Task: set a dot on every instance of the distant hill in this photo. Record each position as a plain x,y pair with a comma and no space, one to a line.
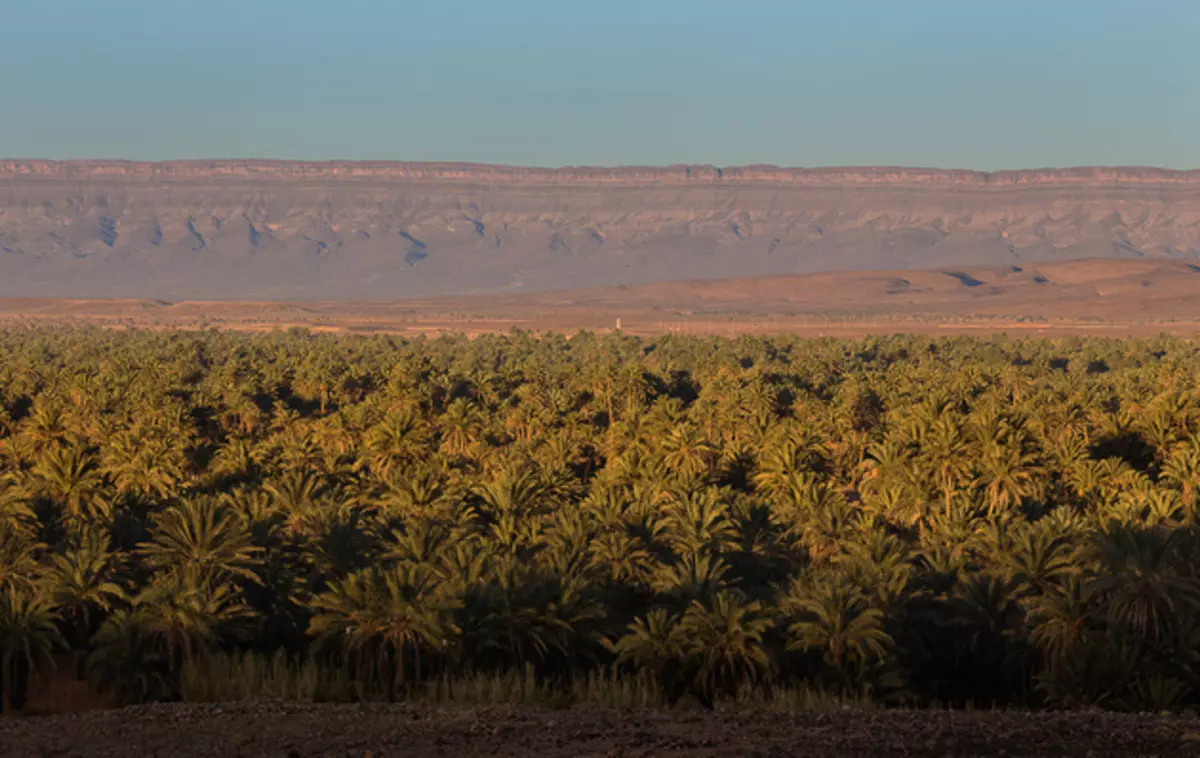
302,231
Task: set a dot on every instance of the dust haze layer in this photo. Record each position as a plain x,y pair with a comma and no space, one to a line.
342,230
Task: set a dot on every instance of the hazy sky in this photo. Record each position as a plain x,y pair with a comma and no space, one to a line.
956,83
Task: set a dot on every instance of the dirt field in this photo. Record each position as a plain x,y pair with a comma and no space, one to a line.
281,729
1102,297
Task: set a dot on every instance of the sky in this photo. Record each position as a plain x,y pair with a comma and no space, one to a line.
983,84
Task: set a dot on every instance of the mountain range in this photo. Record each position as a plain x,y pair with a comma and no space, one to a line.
250,229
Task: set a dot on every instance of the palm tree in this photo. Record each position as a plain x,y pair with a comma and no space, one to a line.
523,617
888,464
1143,585
128,662
782,465
945,455
69,476
298,496
698,521
523,422
415,495
984,612
1060,618
460,426
200,536
944,506
380,619
244,416
880,562
1039,559
187,615
654,643
1182,467
838,621
28,639
1007,475
299,453
14,502
516,491
1147,505
622,557
239,459
725,643
697,576
418,545
687,452
463,565
149,466
48,424
18,556
819,518
85,583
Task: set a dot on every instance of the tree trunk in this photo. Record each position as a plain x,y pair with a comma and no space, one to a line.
79,649
397,674
20,689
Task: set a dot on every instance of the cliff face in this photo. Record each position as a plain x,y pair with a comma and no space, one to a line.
276,229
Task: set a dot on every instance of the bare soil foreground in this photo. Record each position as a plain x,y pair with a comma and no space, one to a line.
1090,296
284,729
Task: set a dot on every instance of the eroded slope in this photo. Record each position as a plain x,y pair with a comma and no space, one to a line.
260,229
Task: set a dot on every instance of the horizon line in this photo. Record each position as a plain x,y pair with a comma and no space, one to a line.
719,168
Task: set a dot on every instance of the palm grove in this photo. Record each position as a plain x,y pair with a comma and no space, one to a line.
896,520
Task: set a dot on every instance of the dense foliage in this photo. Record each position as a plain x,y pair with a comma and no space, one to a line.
912,520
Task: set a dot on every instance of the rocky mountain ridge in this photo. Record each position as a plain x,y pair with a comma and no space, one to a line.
282,170
379,230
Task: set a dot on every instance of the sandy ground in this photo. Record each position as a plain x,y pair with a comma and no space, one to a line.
284,729
1101,297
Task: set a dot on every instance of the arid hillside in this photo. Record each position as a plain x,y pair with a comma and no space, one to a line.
279,230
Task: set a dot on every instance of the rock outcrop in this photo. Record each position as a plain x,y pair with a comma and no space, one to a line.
278,229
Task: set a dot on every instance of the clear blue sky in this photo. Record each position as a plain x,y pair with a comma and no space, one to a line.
955,83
